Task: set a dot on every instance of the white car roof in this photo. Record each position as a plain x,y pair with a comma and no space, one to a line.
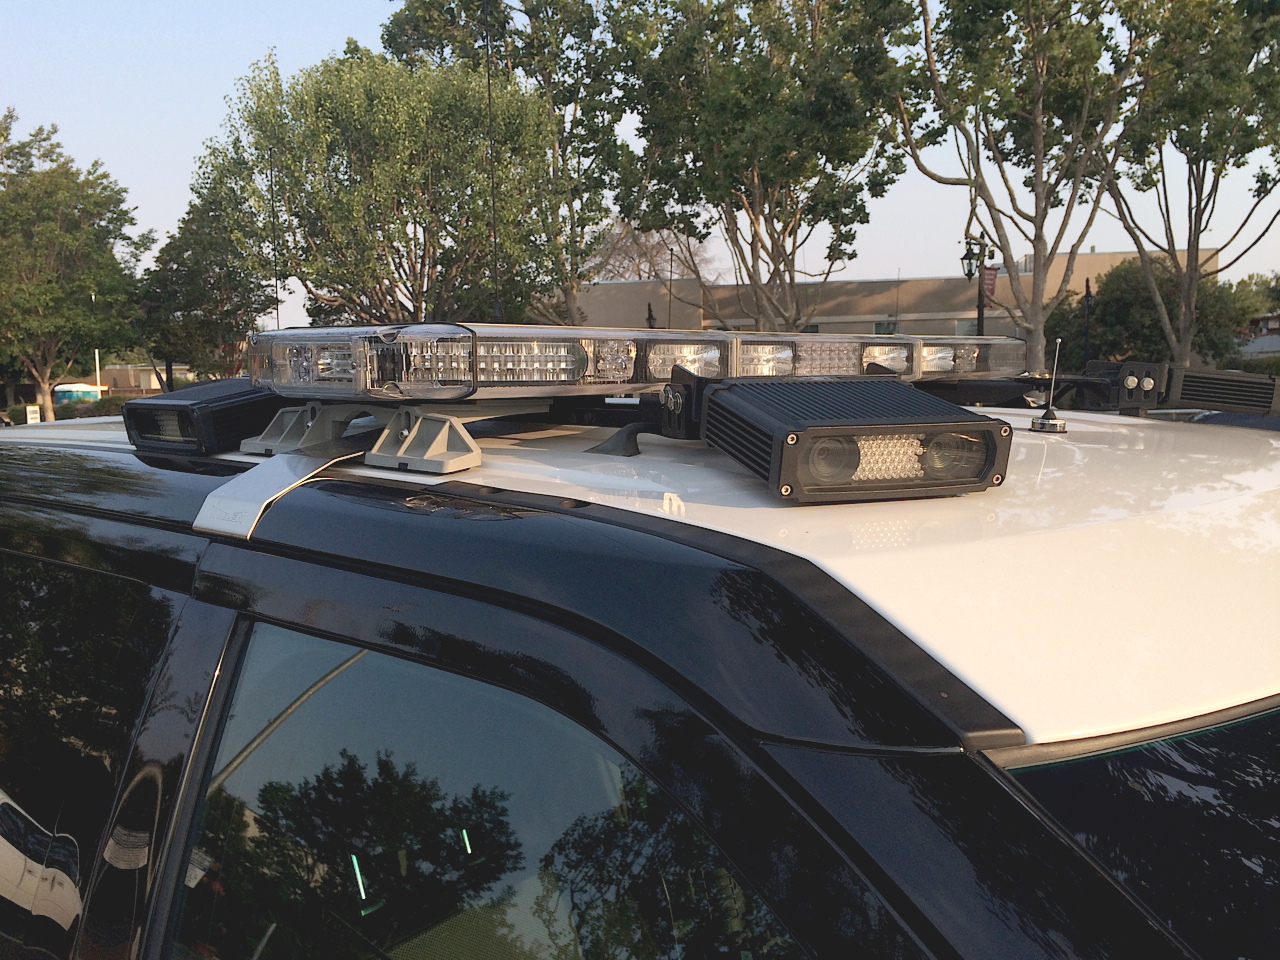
1119,579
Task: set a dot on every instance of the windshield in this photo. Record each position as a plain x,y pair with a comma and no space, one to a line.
1190,825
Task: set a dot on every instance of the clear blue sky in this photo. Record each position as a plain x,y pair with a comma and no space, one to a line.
142,85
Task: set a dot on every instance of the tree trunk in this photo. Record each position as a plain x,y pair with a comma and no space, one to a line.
168,375
572,305
1036,348
44,397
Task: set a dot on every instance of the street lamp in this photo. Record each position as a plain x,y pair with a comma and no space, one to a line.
1088,309
973,262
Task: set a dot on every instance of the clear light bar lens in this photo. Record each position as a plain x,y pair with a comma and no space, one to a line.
972,356
702,359
756,359
824,357
888,358
447,362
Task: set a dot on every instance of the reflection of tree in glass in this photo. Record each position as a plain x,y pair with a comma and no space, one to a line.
79,650
1188,825
642,881
344,863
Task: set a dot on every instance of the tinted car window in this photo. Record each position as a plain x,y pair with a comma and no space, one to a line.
1189,825
65,857
77,650
366,806
14,827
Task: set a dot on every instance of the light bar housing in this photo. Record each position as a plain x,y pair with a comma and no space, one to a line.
450,362
851,439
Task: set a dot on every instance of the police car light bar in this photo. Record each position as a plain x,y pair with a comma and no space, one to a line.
450,362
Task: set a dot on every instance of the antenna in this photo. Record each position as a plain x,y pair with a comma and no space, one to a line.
1050,422
275,229
493,177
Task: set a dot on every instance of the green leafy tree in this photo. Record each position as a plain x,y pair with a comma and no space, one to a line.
438,34
763,121
1123,320
291,863
1033,95
201,299
366,179
642,881
66,259
11,374
556,51
1210,109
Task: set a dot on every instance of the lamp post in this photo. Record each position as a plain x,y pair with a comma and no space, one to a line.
671,269
1088,309
974,263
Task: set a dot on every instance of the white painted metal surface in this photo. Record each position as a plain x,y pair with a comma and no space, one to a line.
1122,577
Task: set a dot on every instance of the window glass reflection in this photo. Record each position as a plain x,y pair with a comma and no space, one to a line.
77,648
363,806
1189,825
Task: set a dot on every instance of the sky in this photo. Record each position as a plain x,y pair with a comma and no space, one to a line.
142,86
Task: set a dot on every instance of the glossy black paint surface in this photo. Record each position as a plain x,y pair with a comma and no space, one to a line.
705,622
123,885
152,555
970,719
979,863
146,489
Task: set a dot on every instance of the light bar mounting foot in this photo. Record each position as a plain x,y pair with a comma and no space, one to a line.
424,442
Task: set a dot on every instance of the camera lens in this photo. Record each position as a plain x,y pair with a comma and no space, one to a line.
955,456
832,460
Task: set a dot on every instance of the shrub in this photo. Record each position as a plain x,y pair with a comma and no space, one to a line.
1269,365
106,407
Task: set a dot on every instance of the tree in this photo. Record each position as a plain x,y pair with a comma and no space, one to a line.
556,51
66,261
365,179
292,863
643,881
761,120
1033,95
201,299
1211,104
1123,321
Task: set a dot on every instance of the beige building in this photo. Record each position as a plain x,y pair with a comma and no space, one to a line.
137,377
921,305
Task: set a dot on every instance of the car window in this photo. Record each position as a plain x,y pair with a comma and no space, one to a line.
64,857
1189,825
365,806
13,827
77,652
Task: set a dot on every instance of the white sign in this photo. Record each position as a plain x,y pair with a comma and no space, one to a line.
33,413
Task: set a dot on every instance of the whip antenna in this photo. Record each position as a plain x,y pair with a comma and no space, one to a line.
493,177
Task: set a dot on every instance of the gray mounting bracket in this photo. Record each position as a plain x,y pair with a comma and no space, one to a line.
297,429
302,442
424,442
